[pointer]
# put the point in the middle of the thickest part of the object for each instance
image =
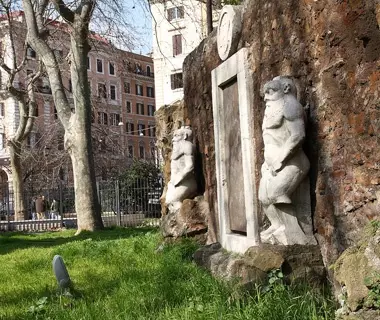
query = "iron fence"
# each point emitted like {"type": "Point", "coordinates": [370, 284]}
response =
{"type": "Point", "coordinates": [127, 203]}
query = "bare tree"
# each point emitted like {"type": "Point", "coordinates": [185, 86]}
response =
{"type": "Point", "coordinates": [13, 64]}
{"type": "Point", "coordinates": [77, 124]}
{"type": "Point", "coordinates": [44, 160]}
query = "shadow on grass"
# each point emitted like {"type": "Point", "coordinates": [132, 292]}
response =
{"type": "Point", "coordinates": [11, 241]}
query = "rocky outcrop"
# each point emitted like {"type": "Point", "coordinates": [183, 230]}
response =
{"type": "Point", "coordinates": [298, 263]}
{"type": "Point", "coordinates": [190, 220]}
{"type": "Point", "coordinates": [358, 272]}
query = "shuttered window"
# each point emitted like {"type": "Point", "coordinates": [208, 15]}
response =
{"type": "Point", "coordinates": [176, 81]}
{"type": "Point", "coordinates": [177, 44]}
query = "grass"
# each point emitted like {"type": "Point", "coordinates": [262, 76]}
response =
{"type": "Point", "coordinates": [120, 274]}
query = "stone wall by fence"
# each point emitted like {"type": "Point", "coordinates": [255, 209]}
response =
{"type": "Point", "coordinates": [332, 49]}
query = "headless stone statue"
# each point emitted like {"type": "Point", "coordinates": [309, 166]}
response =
{"type": "Point", "coordinates": [285, 164]}
{"type": "Point", "coordinates": [182, 184]}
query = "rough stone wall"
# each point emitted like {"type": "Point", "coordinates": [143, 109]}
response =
{"type": "Point", "coordinates": [332, 49]}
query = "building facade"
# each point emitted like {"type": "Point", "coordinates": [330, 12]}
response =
{"type": "Point", "coordinates": [122, 95]}
{"type": "Point", "coordinates": [178, 27]}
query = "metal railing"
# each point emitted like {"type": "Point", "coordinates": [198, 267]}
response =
{"type": "Point", "coordinates": [129, 203]}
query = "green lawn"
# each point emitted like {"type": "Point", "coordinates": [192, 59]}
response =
{"type": "Point", "coordinates": [119, 274]}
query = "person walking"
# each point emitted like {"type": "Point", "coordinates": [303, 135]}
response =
{"type": "Point", "coordinates": [40, 207]}
{"type": "Point", "coordinates": [54, 208]}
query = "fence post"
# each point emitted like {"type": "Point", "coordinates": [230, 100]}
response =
{"type": "Point", "coordinates": [98, 191]}
{"type": "Point", "coordinates": [7, 200]}
{"type": "Point", "coordinates": [60, 201]}
{"type": "Point", "coordinates": [117, 202]}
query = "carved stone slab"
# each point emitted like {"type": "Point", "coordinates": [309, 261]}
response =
{"type": "Point", "coordinates": [229, 27]}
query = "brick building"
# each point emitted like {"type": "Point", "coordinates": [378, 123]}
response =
{"type": "Point", "coordinates": [122, 94]}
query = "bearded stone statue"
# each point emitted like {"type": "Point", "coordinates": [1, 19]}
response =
{"type": "Point", "coordinates": [285, 163]}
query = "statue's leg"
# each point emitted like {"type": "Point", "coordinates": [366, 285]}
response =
{"type": "Point", "coordinates": [275, 220]}
{"type": "Point", "coordinates": [290, 232]}
{"type": "Point", "coordinates": [285, 228]}
{"type": "Point", "coordinates": [284, 183]}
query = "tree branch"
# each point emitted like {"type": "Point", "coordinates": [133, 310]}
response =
{"type": "Point", "coordinates": [67, 14]}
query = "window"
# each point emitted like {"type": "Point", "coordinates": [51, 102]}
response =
{"type": "Point", "coordinates": [88, 63]}
{"type": "Point", "coordinates": [30, 53]}
{"type": "Point", "coordinates": [130, 127]}
{"type": "Point", "coordinates": [2, 141]}
{"type": "Point", "coordinates": [152, 150]}
{"type": "Point", "coordinates": [112, 68]}
{"type": "Point", "coordinates": [151, 130]}
{"type": "Point", "coordinates": [127, 87]}
{"type": "Point", "coordinates": [140, 108]}
{"type": "Point", "coordinates": [114, 119]}
{"type": "Point", "coordinates": [150, 92]}
{"type": "Point", "coordinates": [141, 129]}
{"type": "Point", "coordinates": [130, 151]}
{"type": "Point", "coordinates": [141, 150]}
{"type": "Point", "coordinates": [138, 68]}
{"type": "Point", "coordinates": [2, 109]}
{"type": "Point", "coordinates": [129, 107]}
{"type": "Point", "coordinates": [176, 81]}
{"type": "Point", "coordinates": [148, 71]}
{"type": "Point", "coordinates": [175, 13]}
{"type": "Point", "coordinates": [151, 110]}
{"type": "Point", "coordinates": [99, 65]}
{"type": "Point", "coordinates": [113, 92]}
{"type": "Point", "coordinates": [139, 89]}
{"type": "Point", "coordinates": [177, 44]}
{"type": "Point", "coordinates": [102, 118]}
{"type": "Point", "coordinates": [102, 90]}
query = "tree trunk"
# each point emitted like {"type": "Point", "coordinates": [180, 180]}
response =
{"type": "Point", "coordinates": [77, 124]}
{"type": "Point", "coordinates": [18, 183]}
{"type": "Point", "coordinates": [209, 16]}
{"type": "Point", "coordinates": [79, 144]}
{"type": "Point", "coordinates": [86, 199]}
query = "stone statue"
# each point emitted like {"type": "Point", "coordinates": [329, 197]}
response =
{"type": "Point", "coordinates": [285, 164]}
{"type": "Point", "coordinates": [182, 184]}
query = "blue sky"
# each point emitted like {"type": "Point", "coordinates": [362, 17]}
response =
{"type": "Point", "coordinates": [141, 19]}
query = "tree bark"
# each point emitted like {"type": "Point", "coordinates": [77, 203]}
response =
{"type": "Point", "coordinates": [18, 182]}
{"type": "Point", "coordinates": [209, 16]}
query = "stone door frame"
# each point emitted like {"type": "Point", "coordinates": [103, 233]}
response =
{"type": "Point", "coordinates": [236, 67]}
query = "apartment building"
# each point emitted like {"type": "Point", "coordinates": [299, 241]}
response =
{"type": "Point", "coordinates": [122, 94]}
{"type": "Point", "coordinates": [178, 27]}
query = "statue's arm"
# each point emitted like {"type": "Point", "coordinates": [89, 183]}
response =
{"type": "Point", "coordinates": [296, 127]}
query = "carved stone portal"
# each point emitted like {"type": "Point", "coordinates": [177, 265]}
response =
{"type": "Point", "coordinates": [285, 167]}
{"type": "Point", "coordinates": [235, 145]}
{"type": "Point", "coordinates": [182, 184]}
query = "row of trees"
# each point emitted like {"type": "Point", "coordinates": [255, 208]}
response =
{"type": "Point", "coordinates": [74, 18]}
